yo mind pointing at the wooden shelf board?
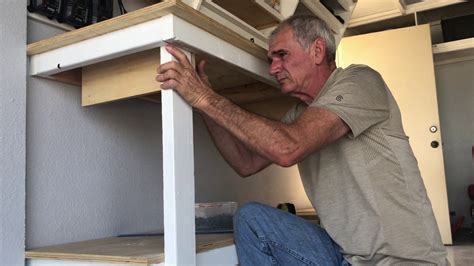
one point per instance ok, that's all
(73, 77)
(317, 8)
(250, 12)
(308, 214)
(454, 50)
(241, 95)
(146, 250)
(134, 76)
(258, 98)
(454, 46)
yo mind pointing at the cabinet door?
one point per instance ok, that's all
(405, 60)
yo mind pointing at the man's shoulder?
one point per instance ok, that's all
(358, 74)
(359, 69)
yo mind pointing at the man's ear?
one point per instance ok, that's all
(318, 51)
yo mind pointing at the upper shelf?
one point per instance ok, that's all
(254, 19)
(142, 15)
(454, 50)
(256, 13)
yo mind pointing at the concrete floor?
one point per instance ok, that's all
(461, 253)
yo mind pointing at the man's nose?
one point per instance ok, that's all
(275, 67)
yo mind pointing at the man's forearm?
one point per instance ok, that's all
(243, 160)
(266, 137)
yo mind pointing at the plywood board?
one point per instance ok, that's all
(73, 77)
(273, 109)
(134, 76)
(146, 250)
(222, 74)
(251, 93)
(250, 12)
(124, 77)
(256, 97)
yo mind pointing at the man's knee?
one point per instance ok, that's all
(247, 211)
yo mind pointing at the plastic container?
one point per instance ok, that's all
(215, 217)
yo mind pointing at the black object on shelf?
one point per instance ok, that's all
(49, 8)
(77, 13)
(102, 10)
(458, 28)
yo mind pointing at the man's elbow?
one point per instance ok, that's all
(251, 168)
(244, 174)
(286, 156)
(286, 160)
(245, 171)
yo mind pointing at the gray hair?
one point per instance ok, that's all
(306, 28)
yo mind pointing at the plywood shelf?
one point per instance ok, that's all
(134, 250)
(256, 13)
(454, 51)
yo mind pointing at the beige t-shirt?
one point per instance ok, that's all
(366, 186)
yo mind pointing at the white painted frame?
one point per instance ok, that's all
(145, 36)
(177, 115)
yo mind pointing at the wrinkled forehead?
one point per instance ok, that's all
(284, 31)
(282, 38)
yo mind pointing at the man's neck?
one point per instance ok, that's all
(323, 76)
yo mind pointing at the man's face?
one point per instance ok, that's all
(291, 65)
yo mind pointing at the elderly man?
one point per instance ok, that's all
(346, 137)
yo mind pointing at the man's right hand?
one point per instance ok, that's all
(181, 76)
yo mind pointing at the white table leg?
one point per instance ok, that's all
(178, 177)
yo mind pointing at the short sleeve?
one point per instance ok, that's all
(293, 113)
(358, 96)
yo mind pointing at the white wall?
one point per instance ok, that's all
(12, 131)
(455, 87)
(96, 172)
(91, 172)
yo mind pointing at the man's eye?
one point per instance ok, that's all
(281, 55)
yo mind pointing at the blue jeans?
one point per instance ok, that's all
(268, 236)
